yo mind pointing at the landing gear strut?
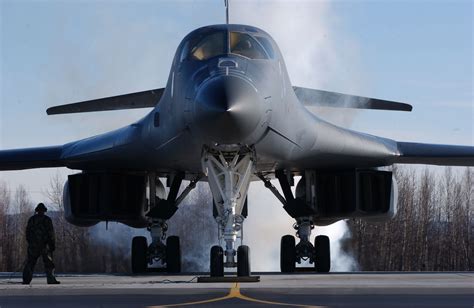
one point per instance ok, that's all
(291, 253)
(162, 249)
(229, 175)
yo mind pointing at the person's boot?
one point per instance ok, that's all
(27, 276)
(50, 279)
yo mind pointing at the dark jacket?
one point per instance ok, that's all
(40, 232)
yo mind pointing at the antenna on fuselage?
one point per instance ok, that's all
(226, 3)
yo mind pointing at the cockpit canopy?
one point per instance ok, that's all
(216, 42)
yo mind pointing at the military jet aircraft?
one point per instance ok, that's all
(229, 116)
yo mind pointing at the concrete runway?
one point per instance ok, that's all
(276, 290)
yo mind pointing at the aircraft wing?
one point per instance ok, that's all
(313, 97)
(144, 99)
(435, 154)
(114, 149)
(42, 157)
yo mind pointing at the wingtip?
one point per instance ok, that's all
(50, 111)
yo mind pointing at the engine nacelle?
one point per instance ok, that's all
(89, 198)
(336, 195)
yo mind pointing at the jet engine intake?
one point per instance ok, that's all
(89, 198)
(336, 195)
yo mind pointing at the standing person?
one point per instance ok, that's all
(40, 238)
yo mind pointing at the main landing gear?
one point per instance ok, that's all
(229, 176)
(162, 248)
(168, 252)
(290, 252)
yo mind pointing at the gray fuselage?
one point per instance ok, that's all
(220, 96)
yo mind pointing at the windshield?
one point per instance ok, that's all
(245, 45)
(211, 44)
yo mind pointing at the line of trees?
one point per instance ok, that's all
(433, 230)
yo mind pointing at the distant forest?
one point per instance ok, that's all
(432, 231)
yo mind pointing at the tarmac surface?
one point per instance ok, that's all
(273, 290)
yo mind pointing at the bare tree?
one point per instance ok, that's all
(16, 224)
(55, 191)
(4, 210)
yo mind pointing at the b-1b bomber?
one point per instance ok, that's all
(229, 116)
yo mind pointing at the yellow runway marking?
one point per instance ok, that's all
(235, 293)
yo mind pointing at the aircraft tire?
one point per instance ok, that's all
(287, 254)
(322, 262)
(173, 255)
(217, 261)
(139, 254)
(243, 261)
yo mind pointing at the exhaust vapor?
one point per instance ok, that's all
(309, 36)
(317, 51)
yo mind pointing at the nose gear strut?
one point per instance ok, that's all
(229, 175)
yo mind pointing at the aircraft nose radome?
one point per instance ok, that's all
(227, 109)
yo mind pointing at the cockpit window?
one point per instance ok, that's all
(209, 46)
(267, 45)
(245, 45)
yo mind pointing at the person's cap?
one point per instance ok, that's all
(41, 207)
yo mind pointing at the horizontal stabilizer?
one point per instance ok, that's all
(435, 154)
(144, 99)
(313, 97)
(29, 158)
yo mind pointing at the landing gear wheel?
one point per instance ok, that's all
(139, 254)
(173, 255)
(217, 261)
(287, 254)
(322, 262)
(243, 261)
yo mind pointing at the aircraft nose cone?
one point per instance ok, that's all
(227, 109)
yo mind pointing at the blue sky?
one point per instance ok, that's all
(55, 52)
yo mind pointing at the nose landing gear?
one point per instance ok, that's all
(229, 175)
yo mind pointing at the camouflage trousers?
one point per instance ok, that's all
(34, 253)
